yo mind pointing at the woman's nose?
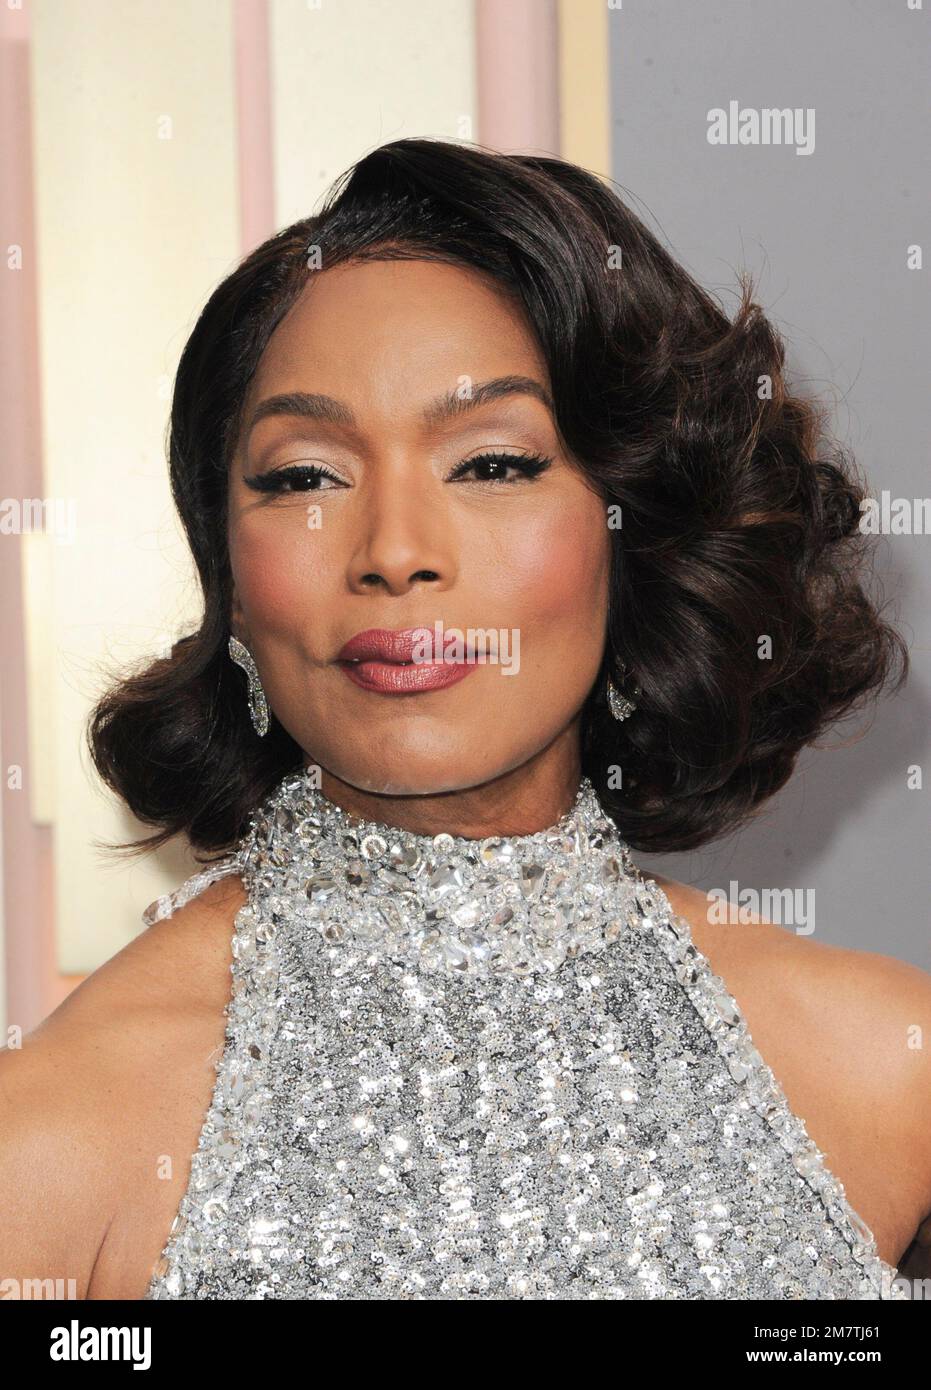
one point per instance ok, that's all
(403, 537)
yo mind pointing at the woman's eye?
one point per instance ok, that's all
(492, 468)
(304, 477)
(487, 468)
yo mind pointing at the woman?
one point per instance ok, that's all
(530, 559)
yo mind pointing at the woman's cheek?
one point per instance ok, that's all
(558, 569)
(279, 574)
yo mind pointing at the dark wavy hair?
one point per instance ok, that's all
(739, 515)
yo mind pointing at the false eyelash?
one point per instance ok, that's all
(275, 480)
(529, 465)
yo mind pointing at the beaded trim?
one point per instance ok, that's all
(251, 1026)
(722, 1017)
(169, 903)
(466, 907)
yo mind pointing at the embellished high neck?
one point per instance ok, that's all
(496, 905)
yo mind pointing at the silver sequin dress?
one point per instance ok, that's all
(489, 1069)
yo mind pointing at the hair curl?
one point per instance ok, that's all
(739, 515)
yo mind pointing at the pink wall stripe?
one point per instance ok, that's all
(33, 984)
(518, 75)
(254, 123)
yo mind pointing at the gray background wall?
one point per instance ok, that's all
(826, 235)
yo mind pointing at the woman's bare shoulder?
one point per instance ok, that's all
(848, 1035)
(84, 1096)
(859, 994)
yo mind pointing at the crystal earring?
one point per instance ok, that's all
(258, 705)
(621, 706)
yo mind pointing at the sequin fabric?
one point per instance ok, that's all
(489, 1069)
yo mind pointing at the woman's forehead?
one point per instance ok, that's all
(396, 335)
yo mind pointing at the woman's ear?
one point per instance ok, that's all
(236, 622)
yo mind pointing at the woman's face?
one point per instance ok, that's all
(405, 531)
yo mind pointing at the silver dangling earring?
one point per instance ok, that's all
(621, 706)
(258, 705)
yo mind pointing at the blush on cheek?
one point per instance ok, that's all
(560, 568)
(279, 579)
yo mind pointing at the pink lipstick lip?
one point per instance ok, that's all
(381, 644)
(397, 678)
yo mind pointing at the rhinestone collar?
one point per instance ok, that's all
(513, 904)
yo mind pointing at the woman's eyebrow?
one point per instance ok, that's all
(311, 405)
